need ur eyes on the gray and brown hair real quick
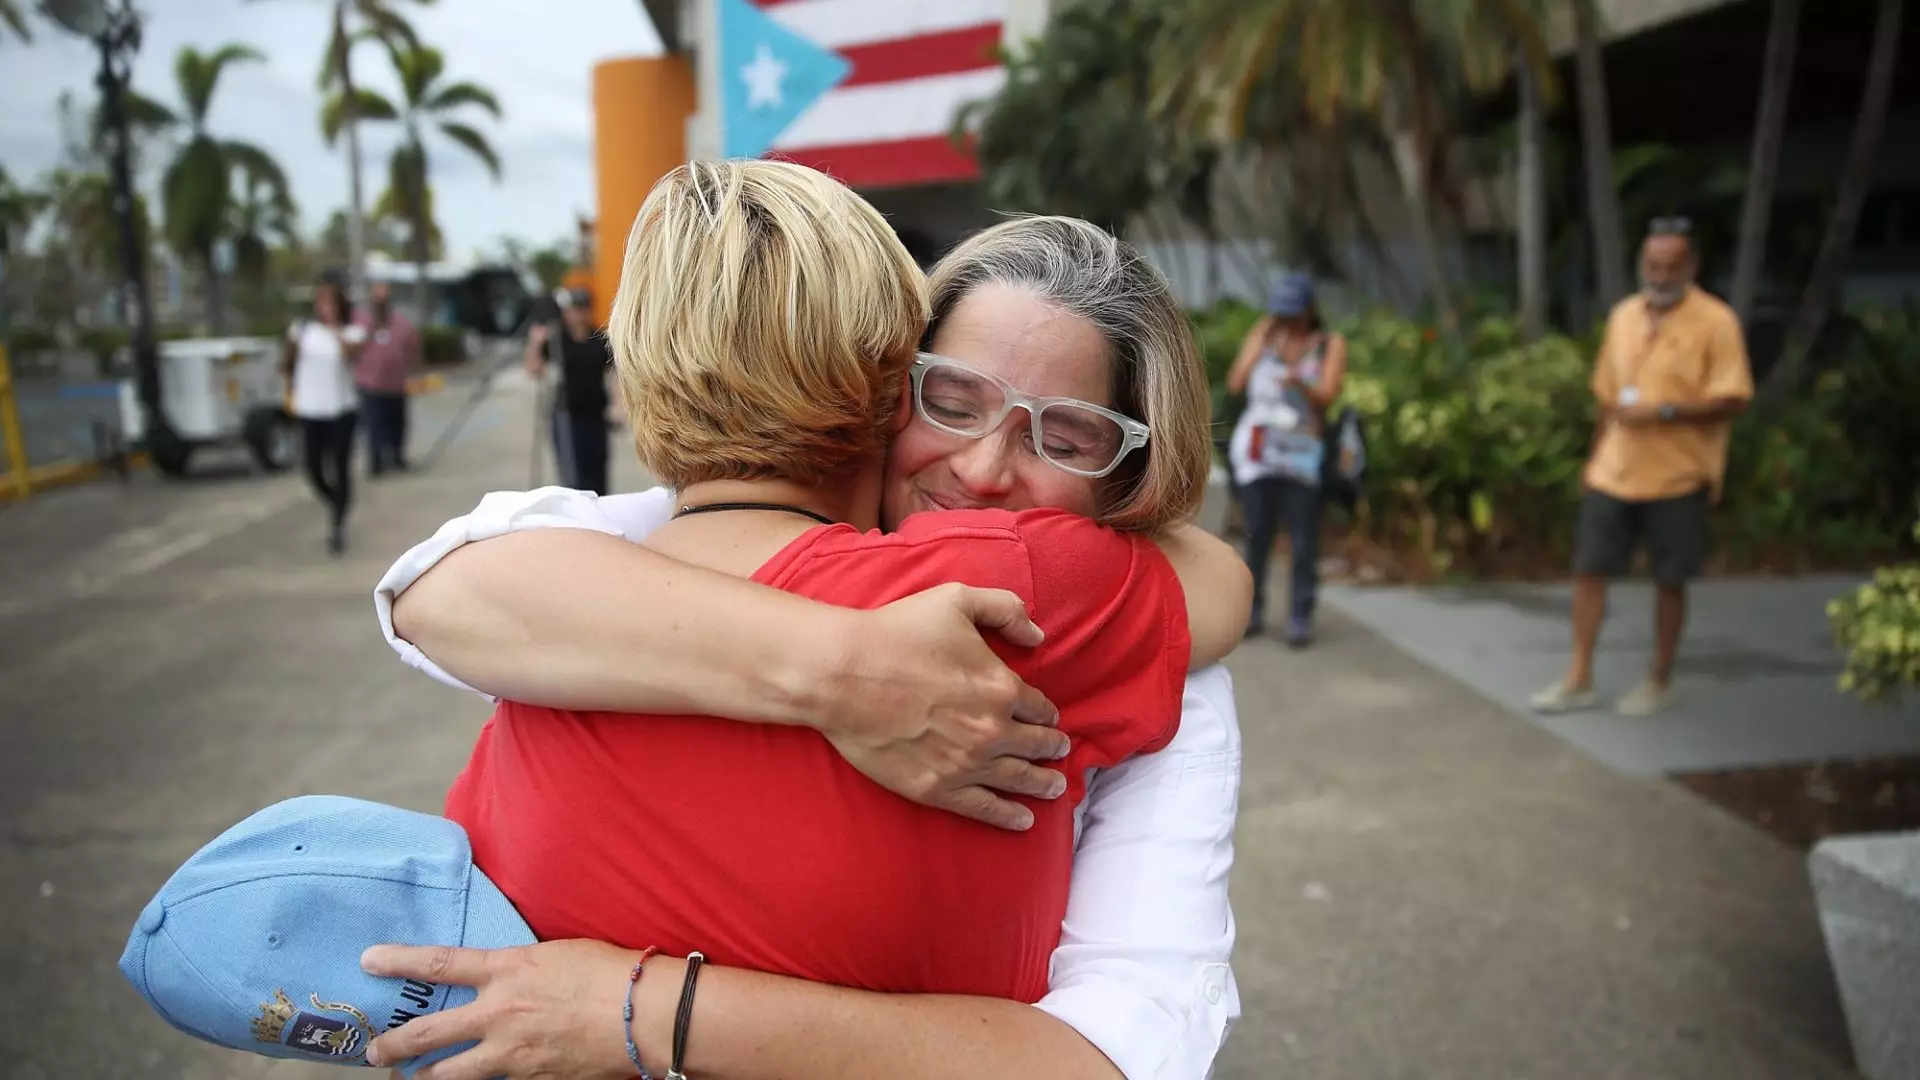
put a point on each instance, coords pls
(1157, 375)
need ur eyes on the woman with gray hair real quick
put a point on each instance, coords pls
(1048, 318)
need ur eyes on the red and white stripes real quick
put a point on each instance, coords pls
(915, 64)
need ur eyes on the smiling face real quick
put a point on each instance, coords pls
(1042, 350)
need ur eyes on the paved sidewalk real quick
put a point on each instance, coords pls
(1755, 683)
(1425, 887)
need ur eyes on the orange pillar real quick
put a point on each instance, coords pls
(640, 110)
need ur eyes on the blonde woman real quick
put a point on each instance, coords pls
(1033, 313)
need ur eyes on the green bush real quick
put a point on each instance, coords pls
(1878, 627)
(1476, 445)
(22, 340)
(1219, 330)
(442, 345)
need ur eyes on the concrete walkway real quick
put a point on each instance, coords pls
(1754, 685)
(1425, 887)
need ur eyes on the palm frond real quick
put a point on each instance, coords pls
(258, 168)
(198, 74)
(475, 143)
(367, 105)
(464, 93)
(419, 67)
(143, 114)
(15, 19)
(388, 24)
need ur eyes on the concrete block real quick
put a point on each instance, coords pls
(1216, 505)
(1868, 892)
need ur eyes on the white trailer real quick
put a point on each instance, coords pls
(215, 392)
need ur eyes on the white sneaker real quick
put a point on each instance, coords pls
(1644, 700)
(1561, 698)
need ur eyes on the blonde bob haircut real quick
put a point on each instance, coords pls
(1156, 373)
(765, 322)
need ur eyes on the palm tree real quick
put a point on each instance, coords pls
(260, 219)
(1769, 130)
(1531, 179)
(83, 242)
(1856, 176)
(15, 19)
(20, 208)
(425, 100)
(197, 187)
(1596, 135)
(1392, 64)
(351, 22)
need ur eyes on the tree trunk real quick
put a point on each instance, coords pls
(216, 296)
(1769, 129)
(422, 239)
(1596, 134)
(1836, 247)
(356, 197)
(1411, 162)
(1532, 179)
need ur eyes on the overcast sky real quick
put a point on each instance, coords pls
(536, 55)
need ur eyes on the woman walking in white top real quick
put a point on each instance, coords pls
(1290, 369)
(319, 366)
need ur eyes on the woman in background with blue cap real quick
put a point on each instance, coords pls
(1290, 369)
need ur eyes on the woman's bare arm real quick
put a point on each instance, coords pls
(554, 1009)
(1333, 375)
(909, 693)
(576, 619)
(1218, 587)
(1242, 369)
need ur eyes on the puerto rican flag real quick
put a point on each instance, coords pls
(915, 63)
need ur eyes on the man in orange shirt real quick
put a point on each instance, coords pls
(1670, 377)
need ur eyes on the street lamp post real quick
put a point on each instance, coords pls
(115, 31)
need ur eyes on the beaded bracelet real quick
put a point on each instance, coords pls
(626, 1015)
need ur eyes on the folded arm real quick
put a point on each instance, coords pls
(557, 608)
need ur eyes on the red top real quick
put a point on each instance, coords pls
(757, 845)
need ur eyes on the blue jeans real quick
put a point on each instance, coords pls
(580, 443)
(1268, 504)
(386, 414)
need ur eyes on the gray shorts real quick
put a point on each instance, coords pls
(1674, 531)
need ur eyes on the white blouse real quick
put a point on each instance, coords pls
(322, 377)
(1141, 970)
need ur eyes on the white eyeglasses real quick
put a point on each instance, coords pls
(1077, 436)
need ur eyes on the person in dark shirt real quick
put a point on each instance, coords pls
(581, 432)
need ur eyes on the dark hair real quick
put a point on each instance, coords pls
(1678, 227)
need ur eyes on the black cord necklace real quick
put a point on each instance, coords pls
(711, 508)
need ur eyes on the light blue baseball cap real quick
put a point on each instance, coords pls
(255, 943)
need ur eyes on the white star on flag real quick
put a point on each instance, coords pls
(763, 79)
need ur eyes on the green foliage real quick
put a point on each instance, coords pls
(22, 340)
(20, 208)
(1068, 133)
(1220, 330)
(1476, 447)
(443, 345)
(1878, 627)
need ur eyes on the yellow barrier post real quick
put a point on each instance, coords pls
(16, 443)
